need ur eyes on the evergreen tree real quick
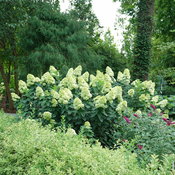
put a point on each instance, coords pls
(52, 37)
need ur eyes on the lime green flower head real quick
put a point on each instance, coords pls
(78, 71)
(110, 96)
(100, 102)
(121, 106)
(85, 93)
(87, 124)
(136, 83)
(86, 76)
(99, 75)
(71, 82)
(149, 85)
(71, 132)
(109, 71)
(77, 104)
(22, 86)
(82, 83)
(15, 97)
(144, 97)
(47, 78)
(155, 99)
(163, 103)
(64, 95)
(106, 87)
(30, 79)
(93, 80)
(117, 90)
(54, 94)
(131, 92)
(120, 76)
(63, 82)
(39, 92)
(138, 112)
(70, 72)
(54, 102)
(126, 74)
(47, 115)
(53, 71)
(158, 111)
(107, 78)
(165, 116)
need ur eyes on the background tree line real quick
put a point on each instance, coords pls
(36, 34)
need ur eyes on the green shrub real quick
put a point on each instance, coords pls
(102, 100)
(150, 133)
(6, 120)
(28, 148)
(171, 105)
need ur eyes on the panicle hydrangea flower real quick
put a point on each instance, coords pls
(30, 80)
(110, 96)
(135, 82)
(131, 92)
(15, 97)
(121, 106)
(106, 87)
(85, 93)
(126, 74)
(82, 83)
(126, 77)
(47, 115)
(109, 71)
(37, 79)
(155, 99)
(86, 76)
(87, 124)
(163, 103)
(78, 70)
(77, 104)
(71, 132)
(100, 102)
(22, 86)
(92, 80)
(114, 93)
(107, 78)
(99, 75)
(120, 76)
(53, 71)
(63, 82)
(144, 97)
(39, 92)
(165, 116)
(158, 111)
(64, 95)
(71, 82)
(149, 85)
(138, 112)
(47, 77)
(70, 72)
(54, 94)
(54, 102)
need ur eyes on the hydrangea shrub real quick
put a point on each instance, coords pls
(100, 99)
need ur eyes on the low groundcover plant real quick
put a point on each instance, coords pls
(26, 147)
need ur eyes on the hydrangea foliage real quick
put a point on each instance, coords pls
(101, 99)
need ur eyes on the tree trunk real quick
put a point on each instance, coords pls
(7, 86)
(142, 47)
(16, 73)
(16, 78)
